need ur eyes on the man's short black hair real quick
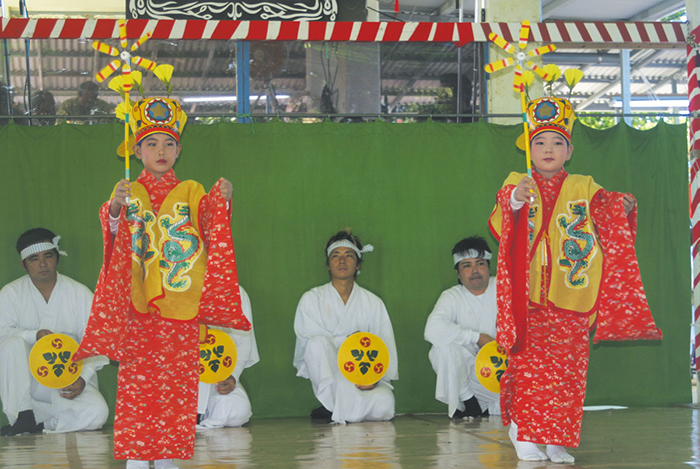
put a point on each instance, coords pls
(43, 103)
(34, 236)
(90, 86)
(476, 243)
(345, 234)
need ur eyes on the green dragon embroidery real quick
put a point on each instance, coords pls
(178, 260)
(140, 240)
(531, 214)
(575, 259)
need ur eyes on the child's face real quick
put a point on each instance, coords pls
(549, 152)
(158, 153)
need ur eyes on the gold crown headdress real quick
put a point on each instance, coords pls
(154, 115)
(539, 115)
(548, 114)
(158, 114)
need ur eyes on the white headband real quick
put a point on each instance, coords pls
(344, 243)
(41, 247)
(470, 254)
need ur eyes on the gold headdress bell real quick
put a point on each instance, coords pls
(548, 115)
(154, 115)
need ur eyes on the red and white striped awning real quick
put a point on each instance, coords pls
(633, 34)
(694, 107)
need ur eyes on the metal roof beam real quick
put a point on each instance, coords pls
(587, 102)
(200, 82)
(40, 71)
(408, 86)
(447, 8)
(549, 10)
(659, 10)
(216, 78)
(665, 81)
(581, 58)
(561, 86)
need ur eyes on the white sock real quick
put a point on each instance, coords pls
(136, 464)
(526, 450)
(558, 454)
(165, 464)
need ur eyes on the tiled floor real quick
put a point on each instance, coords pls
(634, 438)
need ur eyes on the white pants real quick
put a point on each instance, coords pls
(223, 410)
(339, 395)
(20, 391)
(457, 381)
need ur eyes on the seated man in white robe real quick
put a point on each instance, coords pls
(463, 321)
(226, 403)
(325, 317)
(44, 302)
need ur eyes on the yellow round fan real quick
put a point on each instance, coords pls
(363, 358)
(51, 361)
(217, 357)
(491, 363)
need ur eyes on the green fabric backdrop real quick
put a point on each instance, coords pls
(412, 190)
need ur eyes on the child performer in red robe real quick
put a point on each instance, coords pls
(566, 254)
(169, 267)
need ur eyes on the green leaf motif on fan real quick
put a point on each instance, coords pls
(364, 366)
(58, 369)
(64, 356)
(50, 357)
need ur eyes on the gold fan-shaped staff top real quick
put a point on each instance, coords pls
(125, 60)
(519, 56)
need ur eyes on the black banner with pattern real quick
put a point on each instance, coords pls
(245, 10)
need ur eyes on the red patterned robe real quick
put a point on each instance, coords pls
(148, 306)
(562, 262)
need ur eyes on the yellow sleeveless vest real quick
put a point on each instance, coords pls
(168, 258)
(569, 243)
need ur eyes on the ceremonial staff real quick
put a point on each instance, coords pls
(125, 60)
(518, 83)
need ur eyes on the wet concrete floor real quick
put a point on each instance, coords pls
(631, 438)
